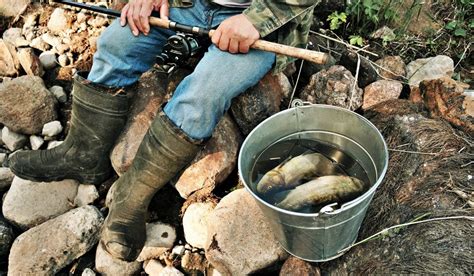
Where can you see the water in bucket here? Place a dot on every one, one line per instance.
(284, 150)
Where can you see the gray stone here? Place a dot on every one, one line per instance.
(3, 156)
(53, 144)
(47, 248)
(52, 128)
(335, 86)
(380, 91)
(30, 62)
(48, 59)
(12, 35)
(239, 239)
(160, 237)
(52, 40)
(29, 203)
(195, 223)
(7, 236)
(86, 194)
(429, 68)
(6, 178)
(58, 21)
(38, 43)
(26, 105)
(88, 272)
(107, 265)
(36, 142)
(260, 101)
(7, 60)
(13, 140)
(215, 162)
(153, 267)
(59, 93)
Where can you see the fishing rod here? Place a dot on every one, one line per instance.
(308, 55)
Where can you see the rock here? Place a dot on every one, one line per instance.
(239, 239)
(38, 43)
(58, 21)
(30, 20)
(59, 93)
(6, 178)
(86, 194)
(468, 103)
(444, 99)
(159, 238)
(170, 271)
(429, 68)
(392, 67)
(30, 62)
(12, 35)
(367, 71)
(335, 86)
(47, 248)
(384, 33)
(178, 250)
(195, 223)
(260, 101)
(29, 203)
(98, 21)
(7, 61)
(62, 48)
(26, 105)
(63, 60)
(53, 144)
(88, 272)
(52, 40)
(12, 8)
(36, 142)
(215, 162)
(106, 265)
(380, 91)
(3, 156)
(81, 17)
(153, 267)
(13, 140)
(7, 236)
(193, 263)
(295, 266)
(150, 94)
(52, 128)
(48, 59)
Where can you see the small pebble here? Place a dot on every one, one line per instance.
(88, 272)
(53, 144)
(52, 128)
(59, 93)
(36, 142)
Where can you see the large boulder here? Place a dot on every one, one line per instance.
(335, 86)
(47, 248)
(29, 203)
(215, 162)
(26, 105)
(239, 240)
(260, 101)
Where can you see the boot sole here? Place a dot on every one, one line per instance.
(96, 180)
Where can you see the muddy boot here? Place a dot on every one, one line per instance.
(96, 121)
(164, 151)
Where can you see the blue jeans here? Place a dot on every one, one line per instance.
(202, 98)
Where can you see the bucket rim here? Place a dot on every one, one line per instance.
(346, 205)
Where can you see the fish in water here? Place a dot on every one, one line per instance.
(322, 190)
(296, 170)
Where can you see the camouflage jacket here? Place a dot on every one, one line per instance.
(290, 19)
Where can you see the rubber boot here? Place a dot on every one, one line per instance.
(96, 121)
(164, 151)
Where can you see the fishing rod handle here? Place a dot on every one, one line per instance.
(312, 56)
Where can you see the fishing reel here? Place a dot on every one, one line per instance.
(178, 49)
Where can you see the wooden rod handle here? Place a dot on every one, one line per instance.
(312, 56)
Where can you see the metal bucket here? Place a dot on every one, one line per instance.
(322, 236)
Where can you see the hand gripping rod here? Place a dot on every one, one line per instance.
(308, 55)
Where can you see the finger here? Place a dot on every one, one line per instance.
(164, 10)
(130, 21)
(144, 21)
(234, 46)
(123, 15)
(136, 17)
(244, 47)
(224, 42)
(216, 36)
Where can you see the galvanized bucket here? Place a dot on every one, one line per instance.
(322, 236)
